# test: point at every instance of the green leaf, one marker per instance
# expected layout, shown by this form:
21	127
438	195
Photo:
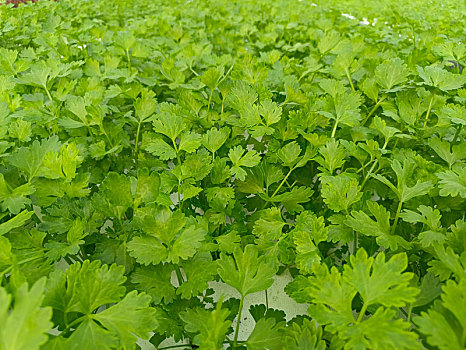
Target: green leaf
15	199
58	250
292	200
29	159
212	76
341	106
382	332
440	78
242	96
315	226
38	75
307	253
391	73
147	188
270	112
266	335
163	224
453	182
199	272
20	130
431	218
186	244
328	41
189	142
289	154
442	148
24	323
17	221
445	326
380	227
155	281
214	138
169	124
228	243
270	224
403	173
117	191
340	192
381	126
331	296
305	336
77	105
145	106
430	289
381	282
88	335
6	257
147	250
333	156
85	287
241	159
62	164
210	327
161	149
245	271
130	318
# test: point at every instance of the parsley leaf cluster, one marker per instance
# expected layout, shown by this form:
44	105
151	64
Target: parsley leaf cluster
151	151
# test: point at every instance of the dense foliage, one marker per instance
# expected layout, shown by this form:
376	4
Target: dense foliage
148	148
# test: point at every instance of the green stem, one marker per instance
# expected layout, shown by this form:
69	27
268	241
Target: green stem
179	194
281	183
361	313
210	99
226	74
355	242
397	215
266	300
238	322
78	320
312	78
349	79
190	346
129	60
179	164
83	253
373	109
369	173
192	70
373	165
303	75
4	272
410	310
68	260
102	130
306	73
48	92
457	133
334	130
364	166
15	73
179	276
137	140
175	346
428	110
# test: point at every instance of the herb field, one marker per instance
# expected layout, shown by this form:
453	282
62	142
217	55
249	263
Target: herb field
152	150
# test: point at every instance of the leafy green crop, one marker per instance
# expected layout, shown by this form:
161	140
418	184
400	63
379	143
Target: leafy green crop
153	150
